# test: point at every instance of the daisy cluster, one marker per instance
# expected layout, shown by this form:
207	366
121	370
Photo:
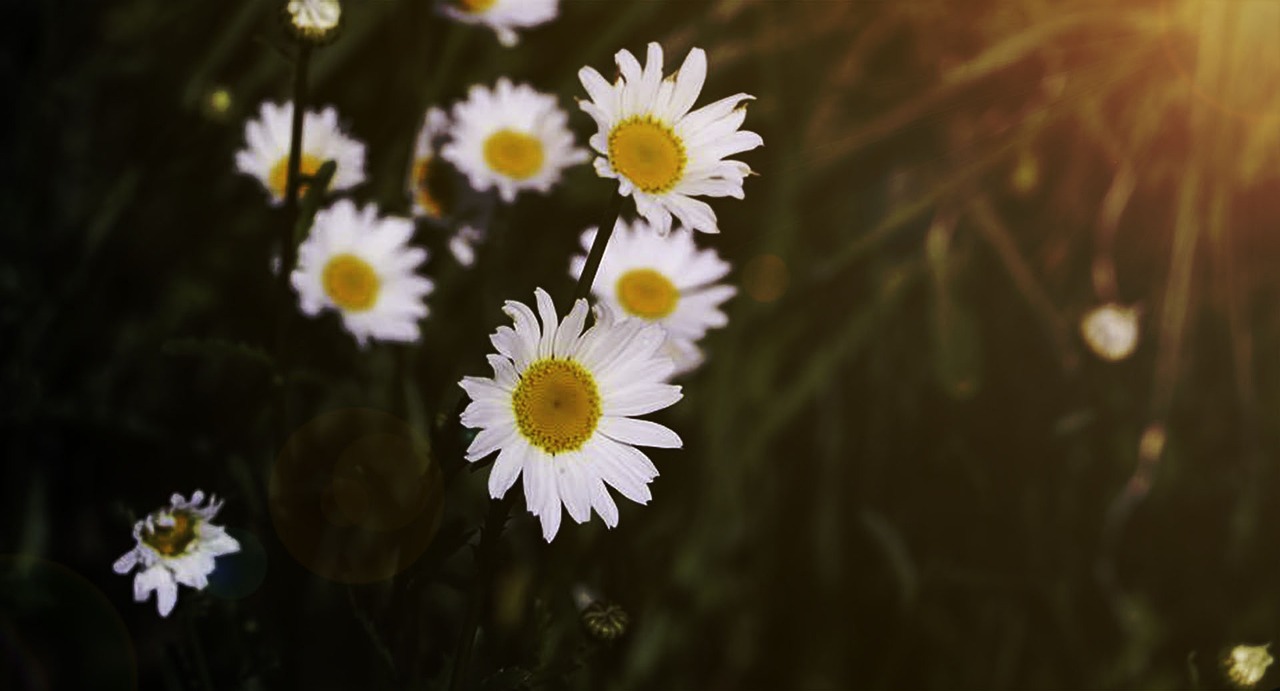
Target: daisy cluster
562	409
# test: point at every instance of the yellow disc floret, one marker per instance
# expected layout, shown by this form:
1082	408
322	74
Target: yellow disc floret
171	540
647	294
351	282
648	153
515	154
278	179
424	195
476	6
557	405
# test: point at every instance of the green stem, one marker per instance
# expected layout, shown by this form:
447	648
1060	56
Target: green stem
603	233
486	552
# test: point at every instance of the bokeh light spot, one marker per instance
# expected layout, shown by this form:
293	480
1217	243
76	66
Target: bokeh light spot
765	277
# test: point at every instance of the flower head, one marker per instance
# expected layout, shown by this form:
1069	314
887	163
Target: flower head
513	138
266	155
175	545
430	200
1111	331
1246	665
662	154
559	409
503	16
362	266
661	279
313	20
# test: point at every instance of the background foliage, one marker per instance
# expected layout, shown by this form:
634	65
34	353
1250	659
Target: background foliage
902	468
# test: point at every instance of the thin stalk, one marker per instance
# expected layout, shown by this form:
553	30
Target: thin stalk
486	553
288	248
603	233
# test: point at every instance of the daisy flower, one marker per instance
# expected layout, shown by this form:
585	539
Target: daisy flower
661	153
314	20
266	155
361	266
503	16
559	409
661	279
175	545
513	138
424	178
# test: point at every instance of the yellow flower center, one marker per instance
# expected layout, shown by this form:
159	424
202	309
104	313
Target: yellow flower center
476	6
350	282
278	179
423	181
648	294
514	154
557	405
170	540
648	153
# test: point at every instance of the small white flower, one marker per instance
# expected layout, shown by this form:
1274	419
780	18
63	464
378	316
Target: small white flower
503	16
266	155
662	279
558	410
423	186
662	154
1111	331
513	138
315	20
362	266
463	244
175	545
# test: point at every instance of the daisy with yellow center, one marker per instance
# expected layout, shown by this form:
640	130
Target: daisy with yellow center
361	266
662	279
661	153
502	16
512	138
175	545
559	409
266	155
425	188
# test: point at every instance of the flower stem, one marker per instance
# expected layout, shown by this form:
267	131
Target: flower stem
603	233
288	248
486	552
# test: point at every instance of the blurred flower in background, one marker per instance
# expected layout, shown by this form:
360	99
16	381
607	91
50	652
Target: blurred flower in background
503	16
1111	331
266	156
361	266
175	545
511	137
314	20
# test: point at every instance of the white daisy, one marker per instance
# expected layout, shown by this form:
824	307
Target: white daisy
362	266
314	20
175	545
463	244
513	138
558	410
266	155
1111	331
662	279
503	16
661	153
424	188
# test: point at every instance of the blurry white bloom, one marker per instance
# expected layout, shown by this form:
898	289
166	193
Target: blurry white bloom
662	154
513	138
266	155
664	279
314	20
558	410
1246	665
1111	331
463	244
362	266
427	201
175	545
503	16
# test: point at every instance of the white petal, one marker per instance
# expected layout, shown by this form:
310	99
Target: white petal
639	432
